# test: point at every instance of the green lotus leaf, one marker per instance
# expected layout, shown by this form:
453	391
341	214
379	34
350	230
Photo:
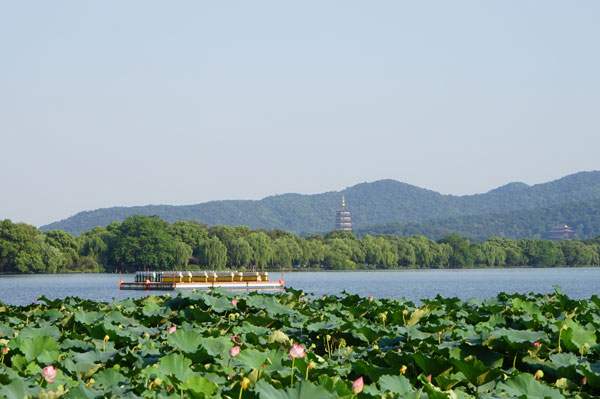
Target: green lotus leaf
576	335
222	304
525	384
252	358
80	367
519	338
269	304
592	374
87	318
218	347
476	372
186	340
413	333
301	390
83	392
76	344
336	385
199	386
45	348
565	364
395	383
18	389
489	357
324	326
110	377
175	365
433	365
48	331
6	331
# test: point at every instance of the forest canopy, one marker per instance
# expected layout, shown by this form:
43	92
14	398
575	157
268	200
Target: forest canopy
149	243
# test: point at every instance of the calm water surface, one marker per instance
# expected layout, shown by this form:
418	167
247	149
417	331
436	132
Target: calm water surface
411	284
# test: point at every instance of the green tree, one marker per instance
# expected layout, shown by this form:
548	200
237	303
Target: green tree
142	242
241	253
213	253
462	252
262	250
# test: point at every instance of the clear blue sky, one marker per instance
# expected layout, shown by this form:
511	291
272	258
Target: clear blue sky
151	102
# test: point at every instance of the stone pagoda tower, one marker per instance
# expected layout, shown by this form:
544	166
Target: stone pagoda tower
343	219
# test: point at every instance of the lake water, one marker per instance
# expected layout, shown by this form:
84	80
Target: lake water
412	284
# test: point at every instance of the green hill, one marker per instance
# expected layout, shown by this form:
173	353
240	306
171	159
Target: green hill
583	217
375	203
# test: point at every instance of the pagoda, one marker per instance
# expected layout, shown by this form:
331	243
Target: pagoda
343	219
561	232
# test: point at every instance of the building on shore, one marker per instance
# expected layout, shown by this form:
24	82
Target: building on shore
561	232
343	218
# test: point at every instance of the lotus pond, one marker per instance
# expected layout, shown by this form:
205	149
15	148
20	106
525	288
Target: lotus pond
289	345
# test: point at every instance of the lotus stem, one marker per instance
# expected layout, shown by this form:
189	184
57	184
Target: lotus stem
292	375
241	390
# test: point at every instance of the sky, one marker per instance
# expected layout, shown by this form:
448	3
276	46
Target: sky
123	103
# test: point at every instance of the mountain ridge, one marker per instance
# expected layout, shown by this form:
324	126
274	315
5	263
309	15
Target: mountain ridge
372	203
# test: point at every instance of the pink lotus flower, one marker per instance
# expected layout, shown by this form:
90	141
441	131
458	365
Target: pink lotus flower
536	344
234	303
172	329
49	374
236	338
234	351
583	381
371	298
429	378
5	350
296	351
358	385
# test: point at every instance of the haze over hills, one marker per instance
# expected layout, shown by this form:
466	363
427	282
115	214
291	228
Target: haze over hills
377	203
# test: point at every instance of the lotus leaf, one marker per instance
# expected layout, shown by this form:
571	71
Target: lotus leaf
301	390
524	384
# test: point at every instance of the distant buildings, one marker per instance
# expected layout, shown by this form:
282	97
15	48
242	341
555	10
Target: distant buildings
561	232
343	218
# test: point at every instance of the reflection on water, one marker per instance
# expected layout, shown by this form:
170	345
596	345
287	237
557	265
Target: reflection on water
411	284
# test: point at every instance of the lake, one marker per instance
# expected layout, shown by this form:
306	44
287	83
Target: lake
412	284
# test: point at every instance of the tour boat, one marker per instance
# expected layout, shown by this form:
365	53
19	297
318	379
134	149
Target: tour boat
168	281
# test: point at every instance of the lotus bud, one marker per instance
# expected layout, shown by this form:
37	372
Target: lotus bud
172	329
245	382
429	378
234	303
539	375
583	381
358	385
371	298
5	350
234	351
536	344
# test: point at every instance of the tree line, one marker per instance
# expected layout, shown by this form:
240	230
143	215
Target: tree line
149	243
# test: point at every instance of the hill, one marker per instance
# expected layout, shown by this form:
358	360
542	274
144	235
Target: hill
583	217
373	203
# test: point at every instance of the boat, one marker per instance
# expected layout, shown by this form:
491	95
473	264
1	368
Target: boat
172	280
